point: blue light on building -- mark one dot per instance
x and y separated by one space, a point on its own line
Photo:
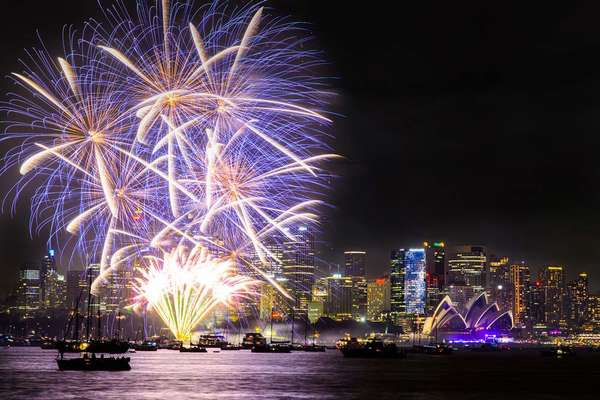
414 287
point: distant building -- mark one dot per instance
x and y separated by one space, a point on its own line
397 282
538 303
378 298
28 291
435 258
594 312
554 297
359 298
498 282
47 278
520 282
299 266
355 263
467 267
578 302
414 286
355 267
339 297
76 287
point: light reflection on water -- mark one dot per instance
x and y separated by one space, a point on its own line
31 373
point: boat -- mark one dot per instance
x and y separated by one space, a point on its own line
212 341
314 348
146 345
558 352
434 349
371 348
192 349
252 340
272 348
231 347
93 363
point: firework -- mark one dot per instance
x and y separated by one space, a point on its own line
184 286
159 135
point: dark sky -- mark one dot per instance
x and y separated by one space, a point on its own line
461 121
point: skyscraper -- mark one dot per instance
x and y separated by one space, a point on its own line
355 263
355 267
76 286
299 266
47 277
578 301
435 257
378 298
520 285
554 297
397 279
498 282
467 266
339 297
28 291
414 283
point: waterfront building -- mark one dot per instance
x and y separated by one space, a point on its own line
538 303
414 285
554 297
299 266
480 319
520 285
378 298
397 281
467 267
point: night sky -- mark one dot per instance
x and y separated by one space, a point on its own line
463 122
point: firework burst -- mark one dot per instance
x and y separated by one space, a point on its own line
165 133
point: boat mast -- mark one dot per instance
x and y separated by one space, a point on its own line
89 304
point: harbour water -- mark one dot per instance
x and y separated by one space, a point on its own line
31 373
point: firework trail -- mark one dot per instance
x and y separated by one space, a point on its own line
187 137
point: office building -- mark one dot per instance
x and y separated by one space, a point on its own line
28 291
339 297
498 282
554 297
435 257
520 285
397 280
578 302
467 267
355 263
414 286
299 266
378 298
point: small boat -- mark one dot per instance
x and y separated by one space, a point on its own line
146 345
558 352
231 347
272 348
314 348
192 349
435 349
93 363
372 348
252 340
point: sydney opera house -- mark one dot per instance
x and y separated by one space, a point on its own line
479 320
